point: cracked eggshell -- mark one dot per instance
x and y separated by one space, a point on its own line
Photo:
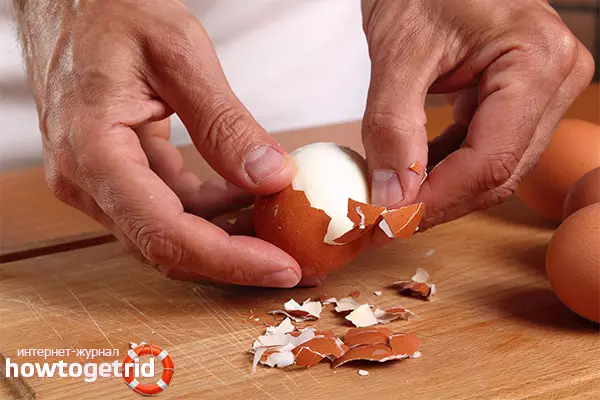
405 343
287 220
398 346
370 352
305 218
307 357
362 316
324 219
374 336
323 346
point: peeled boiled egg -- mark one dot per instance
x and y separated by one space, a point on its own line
585 192
573 151
573 262
324 219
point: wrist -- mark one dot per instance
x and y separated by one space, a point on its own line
39 23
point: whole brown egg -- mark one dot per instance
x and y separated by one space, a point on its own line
585 192
573 262
573 151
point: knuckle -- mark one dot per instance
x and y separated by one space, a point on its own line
558 44
59 186
64 156
494 197
378 122
432 218
185 30
236 274
158 244
499 168
437 213
584 65
175 45
228 128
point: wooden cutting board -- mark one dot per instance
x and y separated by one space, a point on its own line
494 331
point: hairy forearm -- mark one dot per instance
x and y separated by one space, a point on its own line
39 19
19 4
41 27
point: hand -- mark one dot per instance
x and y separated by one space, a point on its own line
106 75
509 68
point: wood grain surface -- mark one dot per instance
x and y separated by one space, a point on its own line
494 331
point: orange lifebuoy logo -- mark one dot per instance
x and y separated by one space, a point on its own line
129 370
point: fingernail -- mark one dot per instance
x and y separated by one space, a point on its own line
285 279
386 190
264 162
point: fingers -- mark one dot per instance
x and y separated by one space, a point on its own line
203 198
574 84
393 129
189 77
392 146
394 137
514 92
143 207
237 223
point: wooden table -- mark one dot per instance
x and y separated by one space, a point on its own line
494 331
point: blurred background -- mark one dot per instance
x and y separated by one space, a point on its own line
293 64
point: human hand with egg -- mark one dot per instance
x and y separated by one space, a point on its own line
510 69
105 75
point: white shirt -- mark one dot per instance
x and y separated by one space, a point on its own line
292 63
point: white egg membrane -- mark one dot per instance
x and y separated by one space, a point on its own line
329 174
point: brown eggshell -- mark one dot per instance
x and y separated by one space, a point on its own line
398 346
416 167
415 289
370 212
295 315
573 262
404 221
392 314
405 343
366 337
365 218
324 345
326 333
313 351
585 192
268 352
573 151
367 352
359 331
307 357
287 220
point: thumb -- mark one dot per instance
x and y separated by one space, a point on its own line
394 136
222 129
